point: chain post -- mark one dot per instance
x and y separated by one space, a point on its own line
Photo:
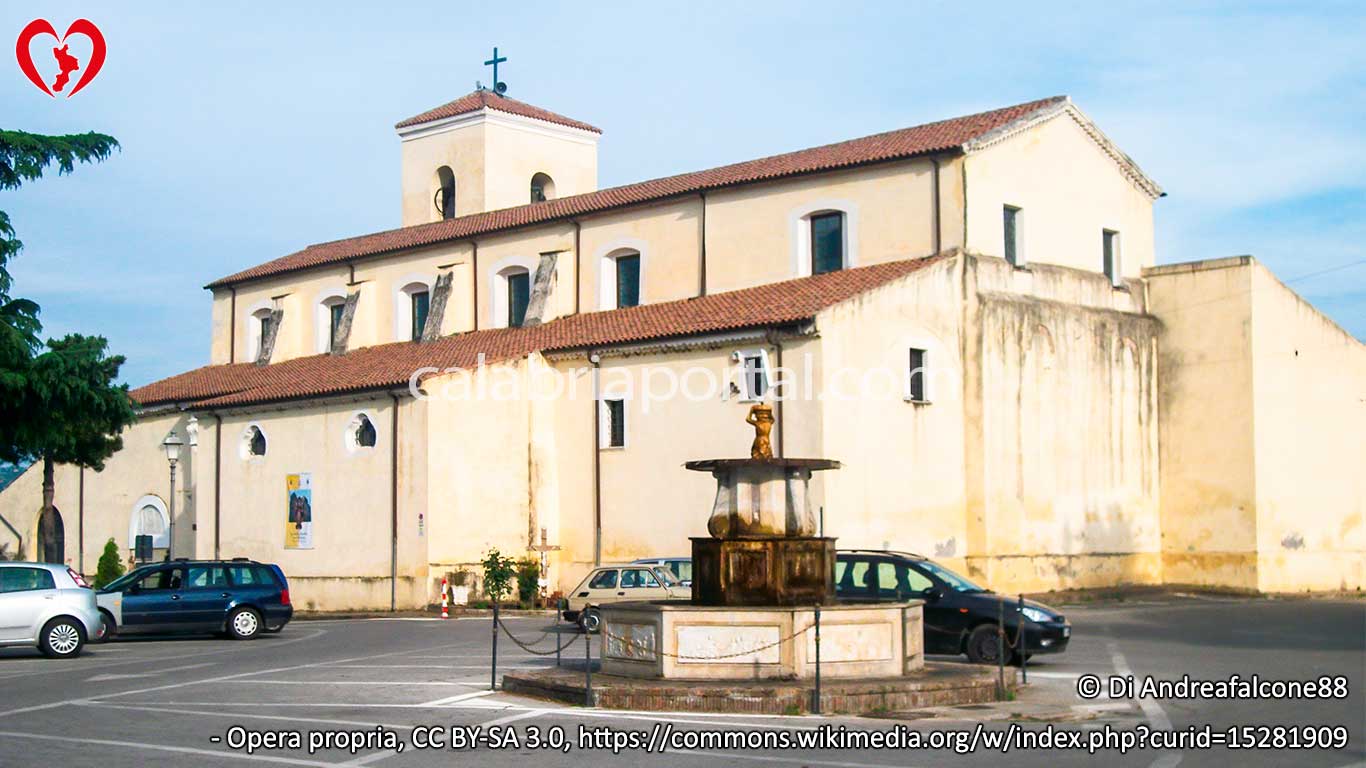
493 670
1020 641
1001 649
588 668
559 628
816 703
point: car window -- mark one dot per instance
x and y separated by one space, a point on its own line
25 579
164 579
604 580
955 582
667 576
646 578
250 575
897 581
203 576
854 577
682 569
630 578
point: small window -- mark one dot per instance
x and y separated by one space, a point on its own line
1109 243
256 441
421 301
614 427
542 188
754 371
26 579
1011 225
604 580
365 432
896 581
827 242
917 377
334 321
628 281
266 322
205 576
854 578
519 297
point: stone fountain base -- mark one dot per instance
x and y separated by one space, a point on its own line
678 641
763 571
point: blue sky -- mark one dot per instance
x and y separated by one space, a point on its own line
249 132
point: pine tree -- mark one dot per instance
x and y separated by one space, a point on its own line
110 566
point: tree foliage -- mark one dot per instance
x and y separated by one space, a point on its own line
499 572
110 566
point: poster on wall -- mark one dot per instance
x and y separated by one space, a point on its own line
299 525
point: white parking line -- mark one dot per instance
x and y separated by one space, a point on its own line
345 682
167 748
237 715
514 718
454 699
433 667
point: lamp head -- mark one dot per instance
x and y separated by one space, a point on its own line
172 444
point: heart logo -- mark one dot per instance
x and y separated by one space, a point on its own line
66 63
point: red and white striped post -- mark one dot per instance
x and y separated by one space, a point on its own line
445 599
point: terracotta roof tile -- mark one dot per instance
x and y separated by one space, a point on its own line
473 102
907 142
391 365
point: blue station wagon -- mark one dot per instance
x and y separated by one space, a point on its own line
239 597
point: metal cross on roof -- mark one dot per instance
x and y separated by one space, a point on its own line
495 61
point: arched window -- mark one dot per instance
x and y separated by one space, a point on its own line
444 199
824 237
258 329
620 271
511 291
331 308
542 188
412 301
149 518
253 442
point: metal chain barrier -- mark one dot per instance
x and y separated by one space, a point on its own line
529 649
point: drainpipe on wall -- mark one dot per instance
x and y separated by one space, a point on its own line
474 279
702 249
217 479
578 264
934 179
232 327
393 507
594 361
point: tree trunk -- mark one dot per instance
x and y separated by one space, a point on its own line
46 525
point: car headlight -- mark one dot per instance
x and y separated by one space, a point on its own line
1034 614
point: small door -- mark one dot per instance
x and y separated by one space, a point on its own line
946 617
25 596
153 602
205 597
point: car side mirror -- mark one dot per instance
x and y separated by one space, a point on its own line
132 589
932 594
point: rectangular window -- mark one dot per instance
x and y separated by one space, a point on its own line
421 303
614 423
26 579
754 370
1109 243
827 243
519 296
265 328
1011 223
334 321
628 281
917 388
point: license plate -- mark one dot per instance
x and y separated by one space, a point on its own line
1066 631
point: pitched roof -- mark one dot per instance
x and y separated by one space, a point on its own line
473 102
900 144
388 366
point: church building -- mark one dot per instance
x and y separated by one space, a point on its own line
967 314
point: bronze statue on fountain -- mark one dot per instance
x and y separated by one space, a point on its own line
763 548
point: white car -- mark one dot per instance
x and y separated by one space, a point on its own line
47 605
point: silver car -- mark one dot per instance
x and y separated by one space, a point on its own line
47 605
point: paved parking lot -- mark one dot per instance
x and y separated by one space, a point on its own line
166 701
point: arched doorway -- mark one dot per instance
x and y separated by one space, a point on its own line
51 538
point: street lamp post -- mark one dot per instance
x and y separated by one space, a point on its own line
172 445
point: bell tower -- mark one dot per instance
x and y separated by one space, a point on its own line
484 151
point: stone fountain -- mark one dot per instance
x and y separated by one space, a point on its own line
759 579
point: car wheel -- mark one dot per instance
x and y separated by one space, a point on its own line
244 624
982 645
590 621
62 639
109 627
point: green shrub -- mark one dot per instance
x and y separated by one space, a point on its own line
110 566
528 576
498 574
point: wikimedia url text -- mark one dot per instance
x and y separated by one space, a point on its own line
663 737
